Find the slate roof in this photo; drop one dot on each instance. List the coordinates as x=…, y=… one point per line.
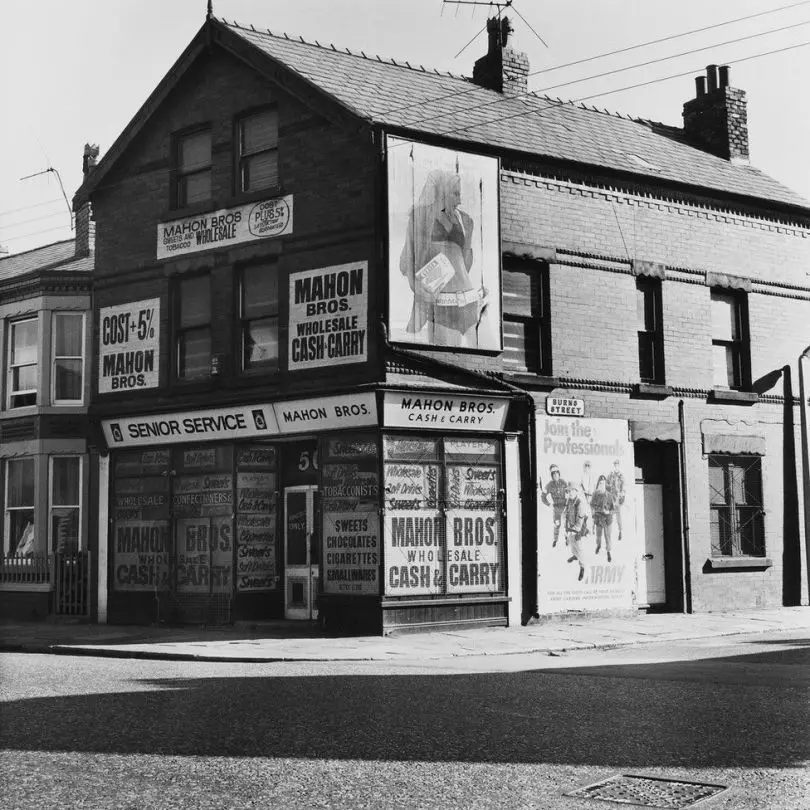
x=57, y=256
x=399, y=95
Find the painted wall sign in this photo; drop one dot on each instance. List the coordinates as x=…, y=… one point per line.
x=328, y=316
x=444, y=412
x=141, y=555
x=225, y=227
x=595, y=570
x=251, y=421
x=351, y=551
x=564, y=406
x=129, y=346
x=444, y=247
x=326, y=413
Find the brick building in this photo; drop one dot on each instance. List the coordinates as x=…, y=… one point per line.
x=360, y=327
x=45, y=453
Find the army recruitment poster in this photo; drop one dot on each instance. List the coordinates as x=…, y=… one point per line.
x=444, y=260
x=586, y=544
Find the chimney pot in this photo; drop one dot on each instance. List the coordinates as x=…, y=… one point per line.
x=711, y=75
x=700, y=86
x=89, y=158
x=503, y=69
x=724, y=72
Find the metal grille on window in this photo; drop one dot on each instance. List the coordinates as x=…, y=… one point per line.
x=735, y=489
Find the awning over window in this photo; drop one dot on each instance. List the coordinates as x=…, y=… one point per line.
x=733, y=444
x=727, y=281
x=655, y=431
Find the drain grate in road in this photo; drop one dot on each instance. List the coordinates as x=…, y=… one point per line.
x=649, y=791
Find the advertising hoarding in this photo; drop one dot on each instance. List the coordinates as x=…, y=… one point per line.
x=129, y=346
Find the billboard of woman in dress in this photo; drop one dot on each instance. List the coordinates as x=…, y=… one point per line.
x=444, y=252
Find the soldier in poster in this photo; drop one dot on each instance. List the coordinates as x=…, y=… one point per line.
x=554, y=495
x=615, y=486
x=436, y=260
x=576, y=525
x=603, y=507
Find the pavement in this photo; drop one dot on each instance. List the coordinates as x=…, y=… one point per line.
x=295, y=641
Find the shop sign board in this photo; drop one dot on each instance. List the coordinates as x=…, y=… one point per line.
x=225, y=227
x=414, y=552
x=351, y=551
x=240, y=422
x=141, y=555
x=444, y=411
x=328, y=317
x=565, y=406
x=596, y=456
x=129, y=346
x=326, y=413
x=473, y=551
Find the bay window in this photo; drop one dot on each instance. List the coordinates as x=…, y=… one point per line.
x=68, y=357
x=22, y=363
x=65, y=503
x=19, y=537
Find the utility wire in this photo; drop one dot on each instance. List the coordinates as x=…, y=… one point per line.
x=37, y=233
x=33, y=219
x=609, y=53
x=559, y=103
x=28, y=207
x=674, y=56
x=667, y=39
x=504, y=99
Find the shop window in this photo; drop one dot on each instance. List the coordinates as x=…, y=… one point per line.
x=68, y=357
x=193, y=334
x=443, y=513
x=19, y=535
x=729, y=339
x=258, y=310
x=65, y=503
x=735, y=489
x=650, y=330
x=193, y=168
x=526, y=324
x=258, y=151
x=22, y=363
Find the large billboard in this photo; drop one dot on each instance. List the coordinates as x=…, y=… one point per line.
x=586, y=544
x=444, y=247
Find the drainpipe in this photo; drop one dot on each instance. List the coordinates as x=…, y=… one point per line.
x=805, y=470
x=686, y=576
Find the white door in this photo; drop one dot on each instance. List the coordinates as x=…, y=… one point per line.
x=650, y=526
x=301, y=552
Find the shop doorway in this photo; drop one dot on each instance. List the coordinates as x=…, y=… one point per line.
x=650, y=527
x=301, y=552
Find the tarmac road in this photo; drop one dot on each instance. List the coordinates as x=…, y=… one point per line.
x=515, y=731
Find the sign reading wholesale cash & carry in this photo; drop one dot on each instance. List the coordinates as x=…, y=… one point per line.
x=328, y=316
x=129, y=346
x=226, y=227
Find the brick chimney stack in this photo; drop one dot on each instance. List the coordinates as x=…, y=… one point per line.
x=503, y=68
x=716, y=120
x=85, y=226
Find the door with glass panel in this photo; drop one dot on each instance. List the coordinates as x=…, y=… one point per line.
x=301, y=552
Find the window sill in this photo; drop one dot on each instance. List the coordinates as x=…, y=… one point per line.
x=247, y=197
x=531, y=380
x=732, y=563
x=733, y=395
x=652, y=390
x=189, y=210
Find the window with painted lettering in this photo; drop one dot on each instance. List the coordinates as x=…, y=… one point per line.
x=258, y=307
x=23, y=368
x=443, y=516
x=193, y=307
x=19, y=533
x=258, y=150
x=65, y=503
x=67, y=376
x=526, y=323
x=192, y=168
x=737, y=516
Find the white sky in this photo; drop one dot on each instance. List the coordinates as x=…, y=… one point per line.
x=76, y=71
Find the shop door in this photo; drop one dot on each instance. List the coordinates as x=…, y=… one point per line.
x=301, y=552
x=650, y=526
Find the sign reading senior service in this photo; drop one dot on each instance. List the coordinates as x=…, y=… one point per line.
x=225, y=227
x=328, y=316
x=444, y=247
